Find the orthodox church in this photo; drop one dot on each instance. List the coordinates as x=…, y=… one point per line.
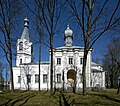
x=67, y=64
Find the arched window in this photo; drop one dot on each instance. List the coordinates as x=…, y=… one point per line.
x=21, y=46
x=20, y=61
x=28, y=78
x=32, y=49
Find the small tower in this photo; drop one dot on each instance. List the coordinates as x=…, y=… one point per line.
x=24, y=46
x=68, y=38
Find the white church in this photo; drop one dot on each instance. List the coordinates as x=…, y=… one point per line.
x=67, y=63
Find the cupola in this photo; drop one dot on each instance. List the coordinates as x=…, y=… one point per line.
x=68, y=31
x=68, y=36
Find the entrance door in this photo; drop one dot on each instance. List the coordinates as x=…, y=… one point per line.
x=70, y=78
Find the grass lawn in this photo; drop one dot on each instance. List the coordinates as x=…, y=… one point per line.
x=31, y=98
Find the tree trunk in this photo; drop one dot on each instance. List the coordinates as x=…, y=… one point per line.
x=6, y=77
x=1, y=80
x=63, y=81
x=11, y=78
x=84, y=71
x=111, y=81
x=118, y=87
x=11, y=70
x=51, y=65
x=39, y=65
x=51, y=43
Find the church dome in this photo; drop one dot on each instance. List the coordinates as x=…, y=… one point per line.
x=68, y=31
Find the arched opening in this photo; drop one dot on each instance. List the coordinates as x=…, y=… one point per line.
x=21, y=46
x=71, y=77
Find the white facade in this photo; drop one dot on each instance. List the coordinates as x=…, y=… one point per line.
x=98, y=76
x=67, y=63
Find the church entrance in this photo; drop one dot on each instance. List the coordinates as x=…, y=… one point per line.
x=71, y=80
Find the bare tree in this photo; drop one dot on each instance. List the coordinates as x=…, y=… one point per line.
x=40, y=36
x=1, y=76
x=50, y=11
x=27, y=71
x=7, y=75
x=111, y=63
x=9, y=9
x=94, y=18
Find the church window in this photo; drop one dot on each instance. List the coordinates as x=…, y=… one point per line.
x=31, y=49
x=81, y=78
x=20, y=61
x=58, y=78
x=36, y=78
x=28, y=78
x=81, y=60
x=44, y=78
x=19, y=79
x=21, y=46
x=70, y=60
x=58, y=61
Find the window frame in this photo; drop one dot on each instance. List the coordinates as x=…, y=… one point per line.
x=58, y=61
x=81, y=60
x=20, y=61
x=36, y=78
x=45, y=78
x=19, y=79
x=70, y=61
x=21, y=46
x=58, y=78
x=28, y=78
x=81, y=78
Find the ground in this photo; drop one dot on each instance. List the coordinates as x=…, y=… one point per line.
x=31, y=98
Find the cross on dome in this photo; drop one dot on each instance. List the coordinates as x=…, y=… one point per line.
x=68, y=26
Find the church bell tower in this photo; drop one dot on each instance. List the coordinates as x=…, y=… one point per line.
x=24, y=46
